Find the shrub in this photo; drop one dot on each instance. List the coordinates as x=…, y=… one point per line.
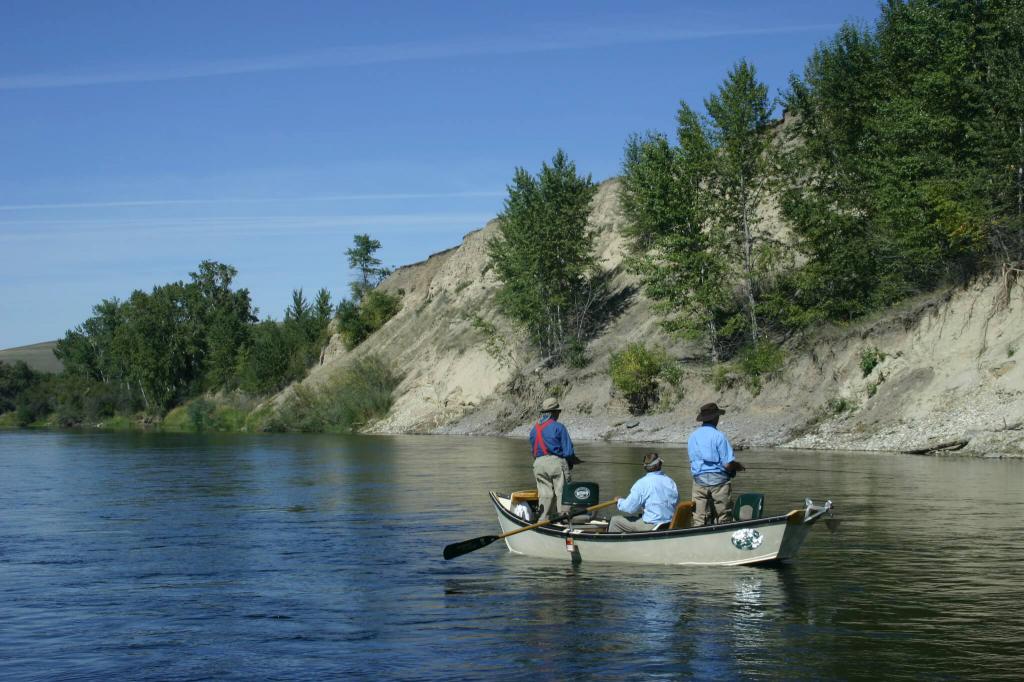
x=639, y=374
x=838, y=405
x=869, y=359
x=762, y=360
x=200, y=414
x=356, y=321
x=360, y=393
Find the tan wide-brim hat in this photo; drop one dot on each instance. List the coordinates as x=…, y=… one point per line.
x=550, y=405
x=709, y=411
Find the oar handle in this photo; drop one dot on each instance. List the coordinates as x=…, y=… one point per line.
x=602, y=505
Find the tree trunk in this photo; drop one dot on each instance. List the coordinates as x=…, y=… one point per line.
x=748, y=247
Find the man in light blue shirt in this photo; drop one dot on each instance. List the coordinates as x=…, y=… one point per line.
x=655, y=493
x=713, y=467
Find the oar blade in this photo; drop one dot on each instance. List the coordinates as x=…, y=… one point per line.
x=466, y=546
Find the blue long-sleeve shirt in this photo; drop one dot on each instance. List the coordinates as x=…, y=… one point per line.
x=709, y=452
x=556, y=439
x=657, y=494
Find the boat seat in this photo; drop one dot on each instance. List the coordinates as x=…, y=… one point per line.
x=683, y=518
x=523, y=496
x=748, y=506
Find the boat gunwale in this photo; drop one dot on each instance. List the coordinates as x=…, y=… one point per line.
x=639, y=536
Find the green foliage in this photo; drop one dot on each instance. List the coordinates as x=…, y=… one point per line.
x=904, y=168
x=697, y=243
x=752, y=367
x=15, y=379
x=641, y=374
x=117, y=423
x=369, y=308
x=544, y=257
x=167, y=344
x=869, y=359
x=370, y=271
x=838, y=406
x=496, y=344
x=356, y=321
x=205, y=414
x=360, y=393
x=759, y=362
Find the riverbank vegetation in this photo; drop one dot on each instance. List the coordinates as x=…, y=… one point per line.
x=898, y=168
x=544, y=258
x=192, y=355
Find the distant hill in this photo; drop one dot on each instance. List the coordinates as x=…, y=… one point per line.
x=38, y=356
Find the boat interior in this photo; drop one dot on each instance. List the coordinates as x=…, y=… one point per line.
x=524, y=504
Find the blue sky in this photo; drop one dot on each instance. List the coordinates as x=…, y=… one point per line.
x=139, y=138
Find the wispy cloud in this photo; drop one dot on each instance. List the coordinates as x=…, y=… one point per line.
x=143, y=203
x=390, y=223
x=357, y=55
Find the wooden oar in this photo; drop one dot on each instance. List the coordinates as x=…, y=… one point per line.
x=467, y=546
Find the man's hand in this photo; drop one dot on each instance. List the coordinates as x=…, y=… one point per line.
x=734, y=467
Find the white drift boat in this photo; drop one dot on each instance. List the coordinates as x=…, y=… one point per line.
x=755, y=541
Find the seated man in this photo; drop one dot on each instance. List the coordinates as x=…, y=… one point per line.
x=656, y=493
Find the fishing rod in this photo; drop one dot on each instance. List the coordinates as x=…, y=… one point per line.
x=749, y=468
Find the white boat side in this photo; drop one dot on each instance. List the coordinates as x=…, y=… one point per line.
x=758, y=541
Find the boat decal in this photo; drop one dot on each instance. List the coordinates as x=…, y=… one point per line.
x=747, y=538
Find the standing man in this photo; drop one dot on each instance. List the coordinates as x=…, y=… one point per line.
x=656, y=493
x=552, y=456
x=713, y=468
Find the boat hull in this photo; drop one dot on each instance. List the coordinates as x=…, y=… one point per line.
x=759, y=541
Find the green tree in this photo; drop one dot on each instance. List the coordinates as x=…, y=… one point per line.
x=221, y=319
x=544, y=257
x=694, y=210
x=165, y=354
x=15, y=379
x=738, y=184
x=323, y=309
x=264, y=363
x=905, y=161
x=370, y=271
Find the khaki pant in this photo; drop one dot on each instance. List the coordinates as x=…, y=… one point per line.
x=714, y=504
x=620, y=524
x=551, y=473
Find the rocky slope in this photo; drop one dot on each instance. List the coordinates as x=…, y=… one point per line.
x=947, y=377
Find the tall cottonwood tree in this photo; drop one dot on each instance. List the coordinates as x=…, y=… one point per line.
x=699, y=246
x=544, y=257
x=740, y=175
x=906, y=166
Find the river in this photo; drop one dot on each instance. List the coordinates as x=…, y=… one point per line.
x=174, y=557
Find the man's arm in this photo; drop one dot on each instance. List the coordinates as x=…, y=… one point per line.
x=725, y=453
x=632, y=504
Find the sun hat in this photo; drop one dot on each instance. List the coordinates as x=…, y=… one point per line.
x=550, y=405
x=709, y=411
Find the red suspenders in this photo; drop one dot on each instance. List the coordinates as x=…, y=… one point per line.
x=538, y=442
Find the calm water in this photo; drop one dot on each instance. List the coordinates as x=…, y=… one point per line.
x=305, y=557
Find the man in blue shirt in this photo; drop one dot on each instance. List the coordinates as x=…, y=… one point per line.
x=656, y=493
x=552, y=455
x=713, y=467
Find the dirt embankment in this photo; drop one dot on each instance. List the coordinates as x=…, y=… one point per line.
x=946, y=374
